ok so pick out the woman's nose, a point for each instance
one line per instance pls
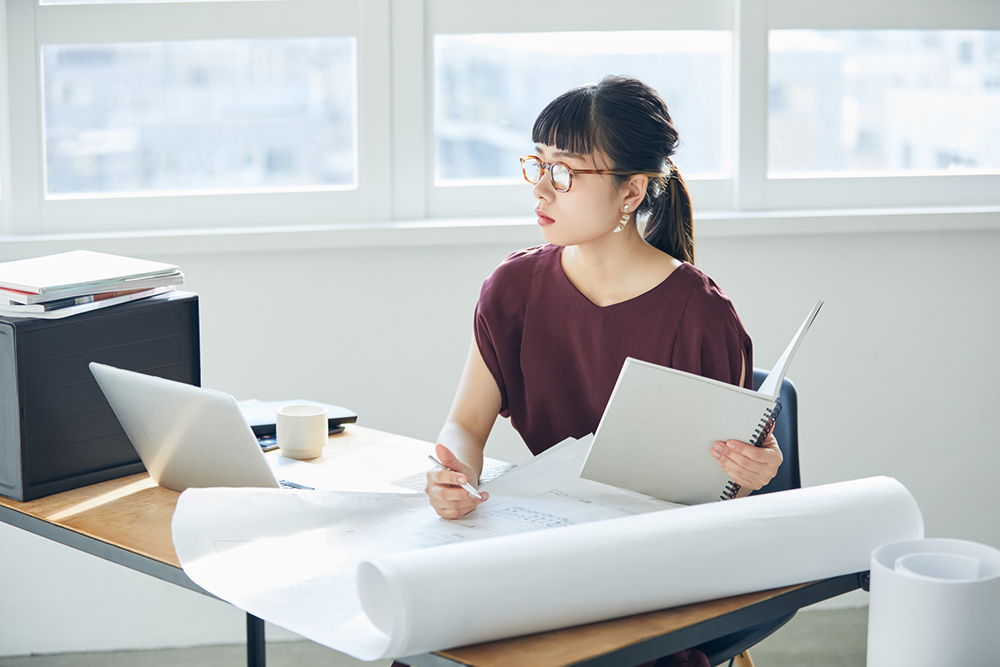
(543, 188)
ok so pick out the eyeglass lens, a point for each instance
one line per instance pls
(559, 174)
(532, 169)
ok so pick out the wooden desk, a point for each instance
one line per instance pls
(645, 637)
(127, 521)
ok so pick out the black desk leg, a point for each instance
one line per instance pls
(256, 651)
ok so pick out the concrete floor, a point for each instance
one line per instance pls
(835, 638)
(813, 638)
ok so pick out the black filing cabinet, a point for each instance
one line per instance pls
(57, 431)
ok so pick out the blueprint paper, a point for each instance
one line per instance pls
(290, 557)
(367, 574)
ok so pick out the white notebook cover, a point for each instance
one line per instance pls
(660, 425)
(79, 267)
(657, 432)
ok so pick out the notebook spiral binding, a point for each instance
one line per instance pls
(764, 428)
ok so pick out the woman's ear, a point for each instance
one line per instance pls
(635, 191)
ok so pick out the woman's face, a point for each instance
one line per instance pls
(589, 211)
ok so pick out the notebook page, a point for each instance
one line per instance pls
(772, 383)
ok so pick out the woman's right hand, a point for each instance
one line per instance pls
(444, 487)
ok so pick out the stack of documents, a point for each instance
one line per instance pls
(57, 286)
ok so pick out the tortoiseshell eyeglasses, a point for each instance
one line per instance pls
(561, 175)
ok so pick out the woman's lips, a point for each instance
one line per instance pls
(543, 219)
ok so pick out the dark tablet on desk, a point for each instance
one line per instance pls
(262, 415)
(269, 442)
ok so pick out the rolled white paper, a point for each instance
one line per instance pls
(934, 602)
(540, 581)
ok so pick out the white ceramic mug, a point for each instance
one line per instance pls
(301, 431)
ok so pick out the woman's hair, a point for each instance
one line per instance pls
(626, 120)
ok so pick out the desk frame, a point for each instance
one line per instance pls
(99, 548)
(256, 645)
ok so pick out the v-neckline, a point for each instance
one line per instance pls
(562, 272)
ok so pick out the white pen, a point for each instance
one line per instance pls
(468, 487)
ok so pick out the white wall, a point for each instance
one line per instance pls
(896, 377)
(898, 374)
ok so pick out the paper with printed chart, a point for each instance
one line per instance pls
(372, 575)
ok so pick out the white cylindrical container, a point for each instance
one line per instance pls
(302, 431)
(934, 602)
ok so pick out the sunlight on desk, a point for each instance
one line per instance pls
(103, 499)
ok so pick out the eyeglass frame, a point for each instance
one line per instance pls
(546, 167)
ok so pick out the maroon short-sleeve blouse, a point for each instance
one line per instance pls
(556, 356)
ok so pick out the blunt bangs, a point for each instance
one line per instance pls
(568, 122)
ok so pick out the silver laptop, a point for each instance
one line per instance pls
(185, 435)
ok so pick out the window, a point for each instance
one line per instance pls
(857, 115)
(490, 87)
(883, 102)
(190, 116)
(492, 71)
(165, 114)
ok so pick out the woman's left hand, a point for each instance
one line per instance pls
(750, 467)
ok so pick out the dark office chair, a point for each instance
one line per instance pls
(786, 430)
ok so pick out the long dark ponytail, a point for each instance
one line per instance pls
(629, 122)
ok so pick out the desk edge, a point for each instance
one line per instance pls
(697, 633)
(99, 548)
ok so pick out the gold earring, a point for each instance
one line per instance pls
(624, 221)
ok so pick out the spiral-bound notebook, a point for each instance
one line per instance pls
(660, 424)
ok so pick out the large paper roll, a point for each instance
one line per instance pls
(580, 574)
(934, 602)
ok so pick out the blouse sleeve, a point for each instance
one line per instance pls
(499, 318)
(711, 340)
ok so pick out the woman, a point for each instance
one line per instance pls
(555, 323)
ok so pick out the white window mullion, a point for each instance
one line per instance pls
(412, 97)
(897, 15)
(892, 191)
(5, 227)
(751, 66)
(458, 16)
(23, 186)
(374, 121)
(156, 22)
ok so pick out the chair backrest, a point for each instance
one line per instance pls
(786, 430)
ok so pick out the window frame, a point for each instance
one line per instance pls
(30, 26)
(5, 185)
(395, 89)
(444, 17)
(757, 191)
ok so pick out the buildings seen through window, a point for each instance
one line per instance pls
(206, 115)
(885, 101)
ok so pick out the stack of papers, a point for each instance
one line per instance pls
(69, 283)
